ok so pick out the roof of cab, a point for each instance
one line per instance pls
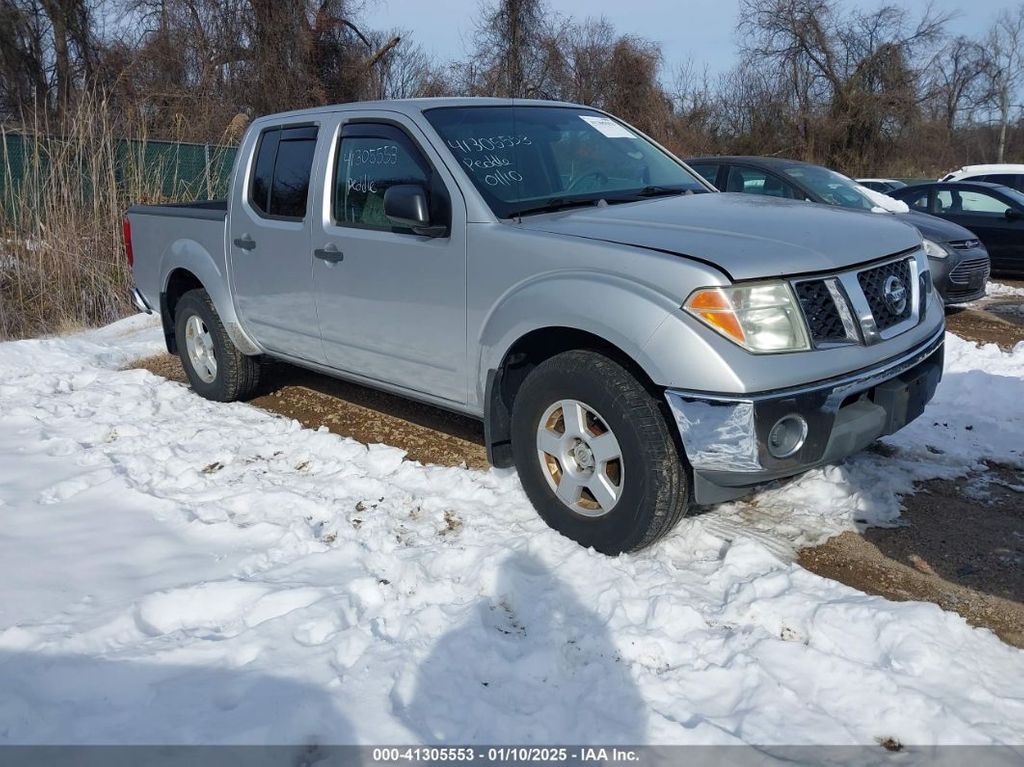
(411, 106)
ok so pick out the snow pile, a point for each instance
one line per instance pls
(999, 290)
(179, 571)
(883, 203)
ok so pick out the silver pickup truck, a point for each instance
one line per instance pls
(635, 342)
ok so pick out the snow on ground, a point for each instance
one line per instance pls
(999, 290)
(179, 571)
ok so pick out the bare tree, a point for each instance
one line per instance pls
(47, 52)
(851, 78)
(511, 56)
(957, 75)
(1005, 45)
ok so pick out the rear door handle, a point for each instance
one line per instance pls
(245, 242)
(330, 254)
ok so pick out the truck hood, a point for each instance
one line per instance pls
(745, 236)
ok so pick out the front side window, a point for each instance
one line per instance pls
(979, 202)
(371, 159)
(531, 159)
(280, 179)
(831, 187)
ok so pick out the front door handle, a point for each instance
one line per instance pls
(245, 242)
(330, 254)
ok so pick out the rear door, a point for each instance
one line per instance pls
(391, 303)
(268, 242)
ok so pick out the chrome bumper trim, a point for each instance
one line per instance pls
(725, 435)
(140, 302)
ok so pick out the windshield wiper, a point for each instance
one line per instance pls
(658, 191)
(650, 191)
(556, 203)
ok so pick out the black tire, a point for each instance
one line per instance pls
(237, 375)
(655, 477)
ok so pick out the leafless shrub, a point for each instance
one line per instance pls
(62, 263)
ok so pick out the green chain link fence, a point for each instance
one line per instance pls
(185, 172)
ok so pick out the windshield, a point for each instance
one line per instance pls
(831, 187)
(1014, 195)
(530, 159)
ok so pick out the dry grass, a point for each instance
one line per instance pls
(62, 260)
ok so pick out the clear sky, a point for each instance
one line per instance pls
(700, 30)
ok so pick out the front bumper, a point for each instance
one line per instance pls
(726, 437)
(962, 276)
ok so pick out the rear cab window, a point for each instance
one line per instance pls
(281, 172)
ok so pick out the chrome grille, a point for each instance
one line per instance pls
(964, 244)
(874, 281)
(962, 272)
(866, 305)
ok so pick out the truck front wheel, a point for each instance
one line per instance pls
(215, 367)
(595, 453)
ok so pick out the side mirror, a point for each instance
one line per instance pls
(1014, 215)
(406, 205)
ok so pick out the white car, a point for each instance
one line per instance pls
(1006, 174)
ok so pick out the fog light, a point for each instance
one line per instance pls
(787, 436)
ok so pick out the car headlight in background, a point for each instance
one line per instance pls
(932, 249)
(761, 317)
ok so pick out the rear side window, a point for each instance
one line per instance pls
(918, 200)
(753, 181)
(1006, 179)
(280, 181)
(709, 171)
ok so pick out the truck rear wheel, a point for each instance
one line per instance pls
(595, 453)
(215, 367)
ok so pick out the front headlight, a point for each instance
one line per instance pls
(932, 249)
(761, 317)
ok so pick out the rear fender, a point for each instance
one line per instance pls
(192, 256)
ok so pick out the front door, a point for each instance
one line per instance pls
(984, 214)
(268, 243)
(391, 303)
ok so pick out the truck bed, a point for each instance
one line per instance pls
(188, 236)
(214, 210)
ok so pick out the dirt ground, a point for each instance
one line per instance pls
(961, 547)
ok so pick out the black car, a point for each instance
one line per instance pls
(883, 185)
(957, 260)
(995, 213)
